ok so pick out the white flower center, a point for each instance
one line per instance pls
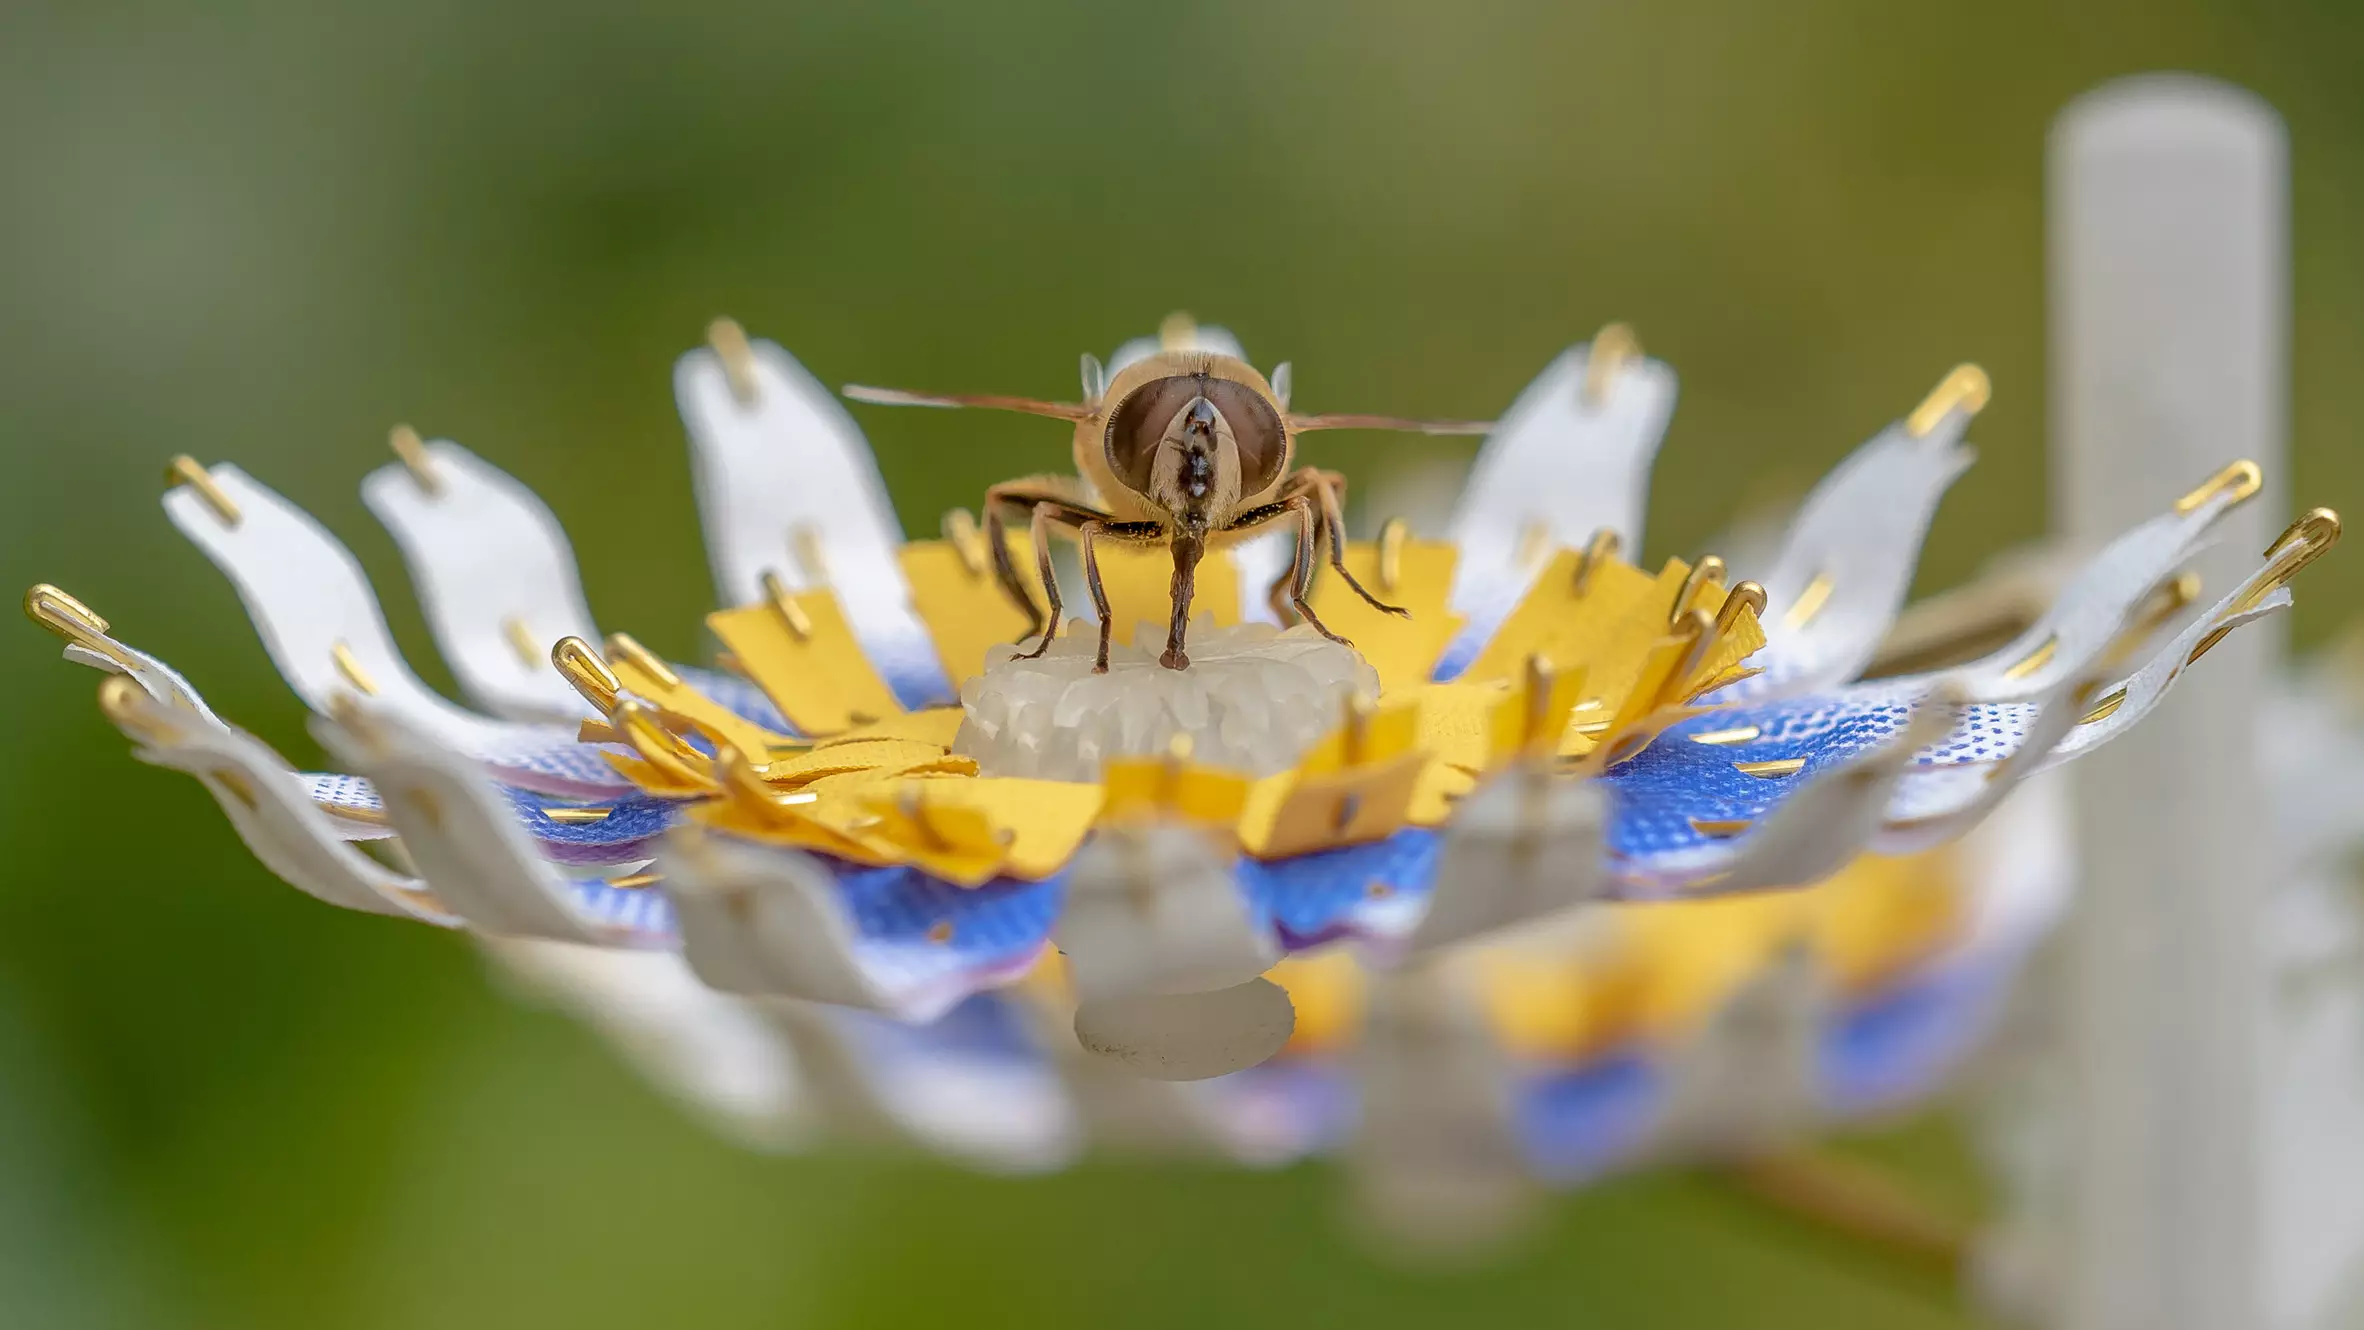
(1254, 698)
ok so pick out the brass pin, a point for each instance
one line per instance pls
(800, 624)
(129, 707)
(1611, 348)
(640, 727)
(741, 776)
(1737, 734)
(1697, 626)
(2106, 707)
(729, 341)
(56, 610)
(1709, 569)
(576, 817)
(1965, 389)
(914, 807)
(1720, 828)
(1603, 547)
(635, 881)
(186, 471)
(1539, 679)
(622, 646)
(2238, 481)
(1355, 740)
(1534, 539)
(804, 541)
(349, 665)
(2034, 660)
(581, 665)
(405, 442)
(2301, 543)
(1809, 602)
(1392, 534)
(961, 533)
(1773, 769)
(1748, 596)
(521, 641)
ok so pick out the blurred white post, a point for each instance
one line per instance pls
(2168, 293)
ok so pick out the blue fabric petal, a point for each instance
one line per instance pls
(1312, 898)
(1579, 1122)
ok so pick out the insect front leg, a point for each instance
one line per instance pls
(1187, 551)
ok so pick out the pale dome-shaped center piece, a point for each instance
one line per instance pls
(1254, 698)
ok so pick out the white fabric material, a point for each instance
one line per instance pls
(268, 805)
(2146, 686)
(1521, 847)
(484, 552)
(1435, 1160)
(1261, 561)
(1561, 463)
(1155, 910)
(2312, 752)
(1934, 805)
(986, 1108)
(794, 459)
(769, 923)
(306, 595)
(2087, 616)
(464, 837)
(1751, 1076)
(715, 1054)
(1862, 528)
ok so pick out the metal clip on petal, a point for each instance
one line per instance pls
(61, 613)
(729, 341)
(1965, 389)
(1611, 348)
(185, 470)
(406, 445)
(2301, 543)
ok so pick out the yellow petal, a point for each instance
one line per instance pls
(810, 667)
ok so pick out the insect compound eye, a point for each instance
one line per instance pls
(1263, 439)
(1139, 424)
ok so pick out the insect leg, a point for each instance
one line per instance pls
(1030, 500)
(1301, 571)
(1326, 486)
(1005, 569)
(1091, 533)
(1187, 550)
(1041, 531)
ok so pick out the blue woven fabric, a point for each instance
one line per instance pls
(737, 696)
(1578, 1122)
(1313, 898)
(1895, 1046)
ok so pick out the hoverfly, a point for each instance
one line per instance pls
(1190, 448)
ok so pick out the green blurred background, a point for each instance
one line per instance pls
(264, 231)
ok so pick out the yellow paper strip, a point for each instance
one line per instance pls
(1403, 650)
(813, 670)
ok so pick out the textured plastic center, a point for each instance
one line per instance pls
(1253, 699)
